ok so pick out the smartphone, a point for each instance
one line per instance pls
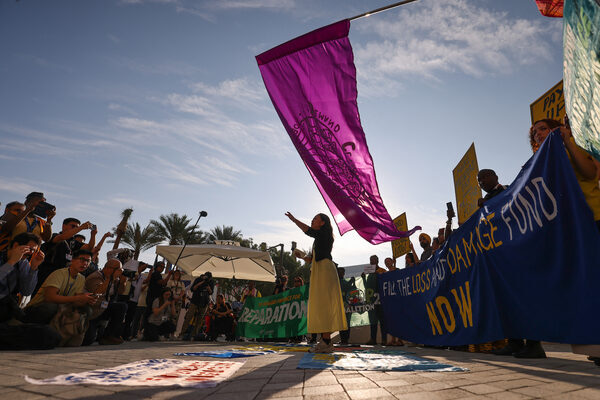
(450, 208)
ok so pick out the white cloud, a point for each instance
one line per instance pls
(168, 68)
(437, 37)
(243, 4)
(42, 62)
(113, 38)
(241, 90)
(23, 186)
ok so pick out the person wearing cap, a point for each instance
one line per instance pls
(425, 242)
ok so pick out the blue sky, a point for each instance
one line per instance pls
(159, 105)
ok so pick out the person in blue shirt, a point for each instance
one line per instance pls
(18, 276)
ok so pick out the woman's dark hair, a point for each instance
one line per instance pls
(327, 226)
(161, 299)
(552, 123)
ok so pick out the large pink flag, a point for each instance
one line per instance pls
(312, 84)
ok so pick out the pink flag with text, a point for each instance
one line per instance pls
(312, 83)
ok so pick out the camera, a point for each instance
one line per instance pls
(93, 227)
(41, 210)
(129, 273)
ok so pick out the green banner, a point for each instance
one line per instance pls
(279, 316)
(360, 296)
(582, 71)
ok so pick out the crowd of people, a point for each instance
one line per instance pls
(53, 293)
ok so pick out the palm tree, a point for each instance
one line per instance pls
(176, 229)
(140, 239)
(225, 233)
(120, 229)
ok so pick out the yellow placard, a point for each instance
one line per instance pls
(400, 246)
(551, 105)
(465, 185)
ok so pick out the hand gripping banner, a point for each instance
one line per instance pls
(312, 83)
(525, 266)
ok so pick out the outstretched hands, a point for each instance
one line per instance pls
(290, 216)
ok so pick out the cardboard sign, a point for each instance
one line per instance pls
(550, 106)
(401, 246)
(465, 185)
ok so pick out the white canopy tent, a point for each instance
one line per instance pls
(223, 261)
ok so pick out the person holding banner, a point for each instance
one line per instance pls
(325, 305)
(581, 161)
(585, 172)
(390, 264)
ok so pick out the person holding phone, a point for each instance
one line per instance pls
(19, 273)
(159, 321)
(59, 250)
(325, 305)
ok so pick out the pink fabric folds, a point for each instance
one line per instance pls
(312, 83)
(551, 8)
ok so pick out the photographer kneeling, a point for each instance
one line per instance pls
(63, 293)
(201, 289)
(106, 284)
(159, 322)
(222, 319)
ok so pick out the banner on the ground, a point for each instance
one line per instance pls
(312, 83)
(551, 105)
(465, 185)
(156, 372)
(373, 360)
(361, 296)
(282, 315)
(582, 71)
(523, 266)
(401, 246)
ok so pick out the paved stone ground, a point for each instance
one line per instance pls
(563, 375)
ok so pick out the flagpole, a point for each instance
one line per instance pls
(368, 13)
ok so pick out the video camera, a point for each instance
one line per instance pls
(41, 210)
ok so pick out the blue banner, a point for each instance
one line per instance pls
(526, 265)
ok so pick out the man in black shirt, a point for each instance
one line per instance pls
(201, 288)
(488, 181)
(157, 282)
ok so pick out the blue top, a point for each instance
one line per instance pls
(17, 278)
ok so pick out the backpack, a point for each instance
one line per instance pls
(71, 322)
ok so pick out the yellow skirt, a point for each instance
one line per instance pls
(325, 304)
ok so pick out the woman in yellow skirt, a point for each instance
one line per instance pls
(325, 305)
